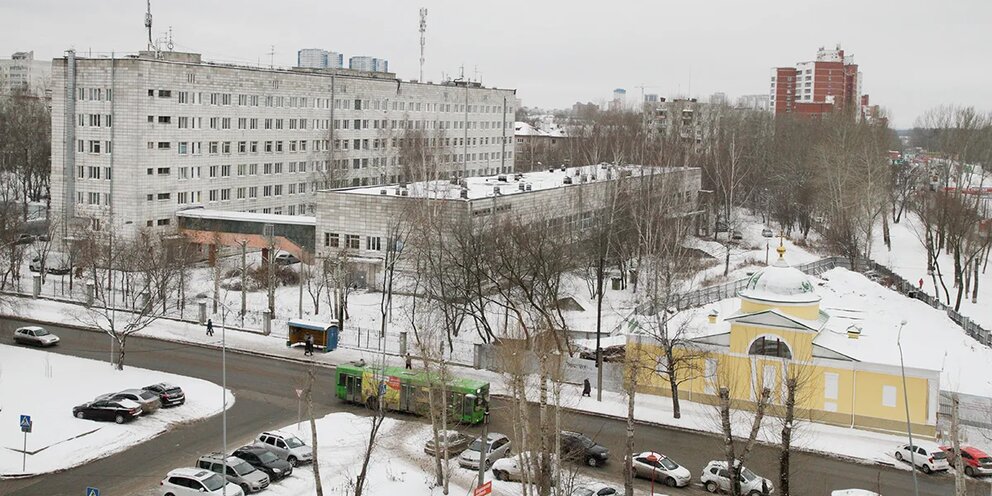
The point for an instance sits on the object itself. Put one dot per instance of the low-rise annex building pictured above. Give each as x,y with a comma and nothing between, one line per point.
775,331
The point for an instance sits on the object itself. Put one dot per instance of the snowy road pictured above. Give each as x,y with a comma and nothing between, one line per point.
266,399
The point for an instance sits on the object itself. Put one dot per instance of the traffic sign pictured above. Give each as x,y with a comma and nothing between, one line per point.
299,393
484,489
92,491
25,423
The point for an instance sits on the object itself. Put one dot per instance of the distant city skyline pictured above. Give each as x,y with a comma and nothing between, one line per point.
555,57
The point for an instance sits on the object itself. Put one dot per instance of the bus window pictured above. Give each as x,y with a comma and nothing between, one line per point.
341,379
468,406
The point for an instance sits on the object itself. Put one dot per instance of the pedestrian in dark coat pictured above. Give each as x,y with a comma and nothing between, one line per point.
586,387
409,361
308,345
210,327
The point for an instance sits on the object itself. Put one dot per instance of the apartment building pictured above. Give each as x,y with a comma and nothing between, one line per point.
831,82
135,139
21,72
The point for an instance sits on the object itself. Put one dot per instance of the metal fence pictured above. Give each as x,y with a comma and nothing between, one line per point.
974,411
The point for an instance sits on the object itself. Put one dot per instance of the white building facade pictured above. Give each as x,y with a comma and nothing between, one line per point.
135,139
370,64
21,72
316,58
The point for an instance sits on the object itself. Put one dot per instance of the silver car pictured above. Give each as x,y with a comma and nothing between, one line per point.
497,446
287,447
240,472
35,335
149,401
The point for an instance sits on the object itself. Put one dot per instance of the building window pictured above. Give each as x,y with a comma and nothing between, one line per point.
373,243
353,242
769,346
889,396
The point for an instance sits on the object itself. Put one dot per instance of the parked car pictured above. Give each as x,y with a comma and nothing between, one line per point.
259,456
577,447
509,468
597,489
736,235
284,258
149,401
661,468
168,394
925,455
240,472
497,446
53,265
35,335
454,441
976,462
119,411
766,232
716,477
853,492
196,482
287,447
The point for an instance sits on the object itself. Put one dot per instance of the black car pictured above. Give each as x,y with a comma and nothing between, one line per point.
261,458
169,394
119,411
579,448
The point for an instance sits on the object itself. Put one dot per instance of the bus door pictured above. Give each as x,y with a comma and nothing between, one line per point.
353,389
407,392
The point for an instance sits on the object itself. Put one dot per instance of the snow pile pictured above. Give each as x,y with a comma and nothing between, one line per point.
47,385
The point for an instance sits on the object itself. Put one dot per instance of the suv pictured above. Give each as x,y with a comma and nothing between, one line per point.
239,471
287,447
925,455
168,394
975,461
716,478
577,447
196,482
497,446
259,456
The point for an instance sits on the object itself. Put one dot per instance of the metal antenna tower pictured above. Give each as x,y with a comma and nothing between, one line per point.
272,56
148,25
423,40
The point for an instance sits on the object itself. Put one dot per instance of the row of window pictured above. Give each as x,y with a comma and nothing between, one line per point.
352,241
94,94
94,120
94,146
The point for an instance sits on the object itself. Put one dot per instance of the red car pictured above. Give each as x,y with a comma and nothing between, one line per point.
976,462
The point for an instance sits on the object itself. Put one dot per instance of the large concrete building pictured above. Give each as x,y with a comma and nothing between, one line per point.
830,83
360,221
370,64
135,139
21,72
316,58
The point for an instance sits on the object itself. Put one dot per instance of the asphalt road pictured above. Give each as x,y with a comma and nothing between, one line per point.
266,399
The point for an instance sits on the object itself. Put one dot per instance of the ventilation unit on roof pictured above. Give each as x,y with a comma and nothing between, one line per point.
496,191
518,176
583,178
567,180
463,194
563,167
404,192
453,180
528,186
551,169
576,172
501,178
521,186
382,191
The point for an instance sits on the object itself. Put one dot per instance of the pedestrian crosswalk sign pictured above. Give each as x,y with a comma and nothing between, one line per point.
25,423
92,491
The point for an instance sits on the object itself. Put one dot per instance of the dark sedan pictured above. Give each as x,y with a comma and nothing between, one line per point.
169,394
119,411
261,458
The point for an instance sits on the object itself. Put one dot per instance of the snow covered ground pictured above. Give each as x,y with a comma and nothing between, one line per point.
47,385
398,464
908,258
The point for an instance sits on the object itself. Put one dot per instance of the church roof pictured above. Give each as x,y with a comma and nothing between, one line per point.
780,283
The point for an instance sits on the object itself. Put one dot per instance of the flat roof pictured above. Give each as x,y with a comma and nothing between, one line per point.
203,213
479,187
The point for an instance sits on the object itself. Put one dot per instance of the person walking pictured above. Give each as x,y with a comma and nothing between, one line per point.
586,387
409,361
210,327
308,345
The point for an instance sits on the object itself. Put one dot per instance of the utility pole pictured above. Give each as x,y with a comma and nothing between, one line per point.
485,446
244,306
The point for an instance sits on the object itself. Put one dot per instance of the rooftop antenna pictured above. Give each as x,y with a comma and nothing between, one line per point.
169,43
423,40
272,55
148,25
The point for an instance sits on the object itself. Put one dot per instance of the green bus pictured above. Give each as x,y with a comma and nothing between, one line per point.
406,391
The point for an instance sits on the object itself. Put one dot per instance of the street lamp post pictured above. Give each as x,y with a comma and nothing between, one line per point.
485,446
905,401
223,374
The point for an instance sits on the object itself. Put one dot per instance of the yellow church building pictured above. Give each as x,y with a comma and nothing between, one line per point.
775,330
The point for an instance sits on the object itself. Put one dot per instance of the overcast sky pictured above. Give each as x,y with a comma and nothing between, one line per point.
914,54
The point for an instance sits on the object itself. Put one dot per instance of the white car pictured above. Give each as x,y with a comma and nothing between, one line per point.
716,478
497,446
651,465
287,447
597,489
925,455
511,469
196,482
35,335
853,492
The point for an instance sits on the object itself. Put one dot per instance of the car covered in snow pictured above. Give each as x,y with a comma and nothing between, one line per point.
716,478
119,411
148,400
34,335
510,468
455,442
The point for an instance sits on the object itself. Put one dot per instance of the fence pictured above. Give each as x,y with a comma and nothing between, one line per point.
974,411
872,269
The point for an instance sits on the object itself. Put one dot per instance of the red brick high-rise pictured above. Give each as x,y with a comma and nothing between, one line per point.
828,84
